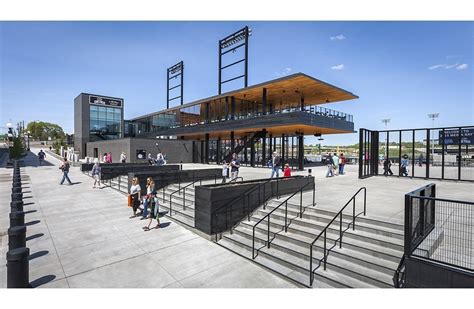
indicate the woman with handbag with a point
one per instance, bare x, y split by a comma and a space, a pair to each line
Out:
150, 187
154, 212
135, 192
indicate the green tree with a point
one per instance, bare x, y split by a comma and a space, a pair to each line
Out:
18, 149
41, 130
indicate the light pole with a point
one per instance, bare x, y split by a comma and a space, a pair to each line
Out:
28, 139
433, 117
385, 122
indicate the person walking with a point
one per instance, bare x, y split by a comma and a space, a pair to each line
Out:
225, 171
420, 160
150, 159
335, 162
287, 171
386, 167
234, 166
342, 163
65, 168
154, 212
330, 165
109, 157
135, 192
104, 158
41, 156
276, 161
150, 187
404, 165
159, 159
123, 157
96, 173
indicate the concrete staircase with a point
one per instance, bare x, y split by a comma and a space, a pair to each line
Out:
368, 258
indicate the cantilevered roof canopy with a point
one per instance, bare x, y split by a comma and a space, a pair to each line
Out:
291, 88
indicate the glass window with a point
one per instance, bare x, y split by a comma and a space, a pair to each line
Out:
102, 113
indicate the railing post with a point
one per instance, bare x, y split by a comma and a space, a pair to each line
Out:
311, 264
301, 204
268, 233
248, 207
163, 194
286, 216
365, 200
314, 193
253, 243
324, 249
340, 231
184, 198
353, 213
171, 207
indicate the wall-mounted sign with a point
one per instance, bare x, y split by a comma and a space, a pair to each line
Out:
141, 154
97, 100
451, 136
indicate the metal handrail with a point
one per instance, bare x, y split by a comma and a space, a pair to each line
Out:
398, 281
235, 179
341, 232
184, 192
246, 195
300, 190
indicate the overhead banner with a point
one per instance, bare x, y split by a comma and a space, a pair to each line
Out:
451, 136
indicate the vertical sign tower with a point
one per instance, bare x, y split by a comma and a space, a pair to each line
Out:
174, 72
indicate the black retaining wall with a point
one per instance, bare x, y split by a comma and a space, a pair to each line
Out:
212, 214
164, 178
422, 273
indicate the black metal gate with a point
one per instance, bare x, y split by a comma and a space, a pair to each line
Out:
428, 153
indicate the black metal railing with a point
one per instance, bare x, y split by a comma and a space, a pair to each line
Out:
287, 223
245, 199
341, 232
437, 230
235, 179
184, 192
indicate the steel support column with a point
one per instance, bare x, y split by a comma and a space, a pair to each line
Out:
264, 148
264, 101
301, 152
218, 151
206, 150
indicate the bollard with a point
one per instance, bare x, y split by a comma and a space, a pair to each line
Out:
16, 177
16, 206
16, 183
17, 218
16, 237
17, 196
16, 190
309, 172
18, 268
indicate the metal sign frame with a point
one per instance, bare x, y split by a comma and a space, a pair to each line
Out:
174, 72
225, 48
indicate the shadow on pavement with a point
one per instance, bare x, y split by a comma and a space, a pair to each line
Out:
38, 254
43, 280
32, 222
165, 225
34, 236
30, 211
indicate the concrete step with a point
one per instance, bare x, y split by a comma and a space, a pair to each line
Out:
394, 227
338, 260
313, 226
304, 241
380, 264
181, 216
362, 223
276, 261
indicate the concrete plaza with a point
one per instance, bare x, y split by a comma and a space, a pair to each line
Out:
80, 237
83, 238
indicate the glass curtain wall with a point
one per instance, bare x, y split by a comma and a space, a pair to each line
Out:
105, 123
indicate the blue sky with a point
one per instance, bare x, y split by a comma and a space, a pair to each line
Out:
400, 70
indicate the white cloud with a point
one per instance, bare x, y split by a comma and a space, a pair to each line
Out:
337, 37
445, 66
286, 71
338, 67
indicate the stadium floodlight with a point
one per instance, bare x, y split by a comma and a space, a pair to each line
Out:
386, 121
